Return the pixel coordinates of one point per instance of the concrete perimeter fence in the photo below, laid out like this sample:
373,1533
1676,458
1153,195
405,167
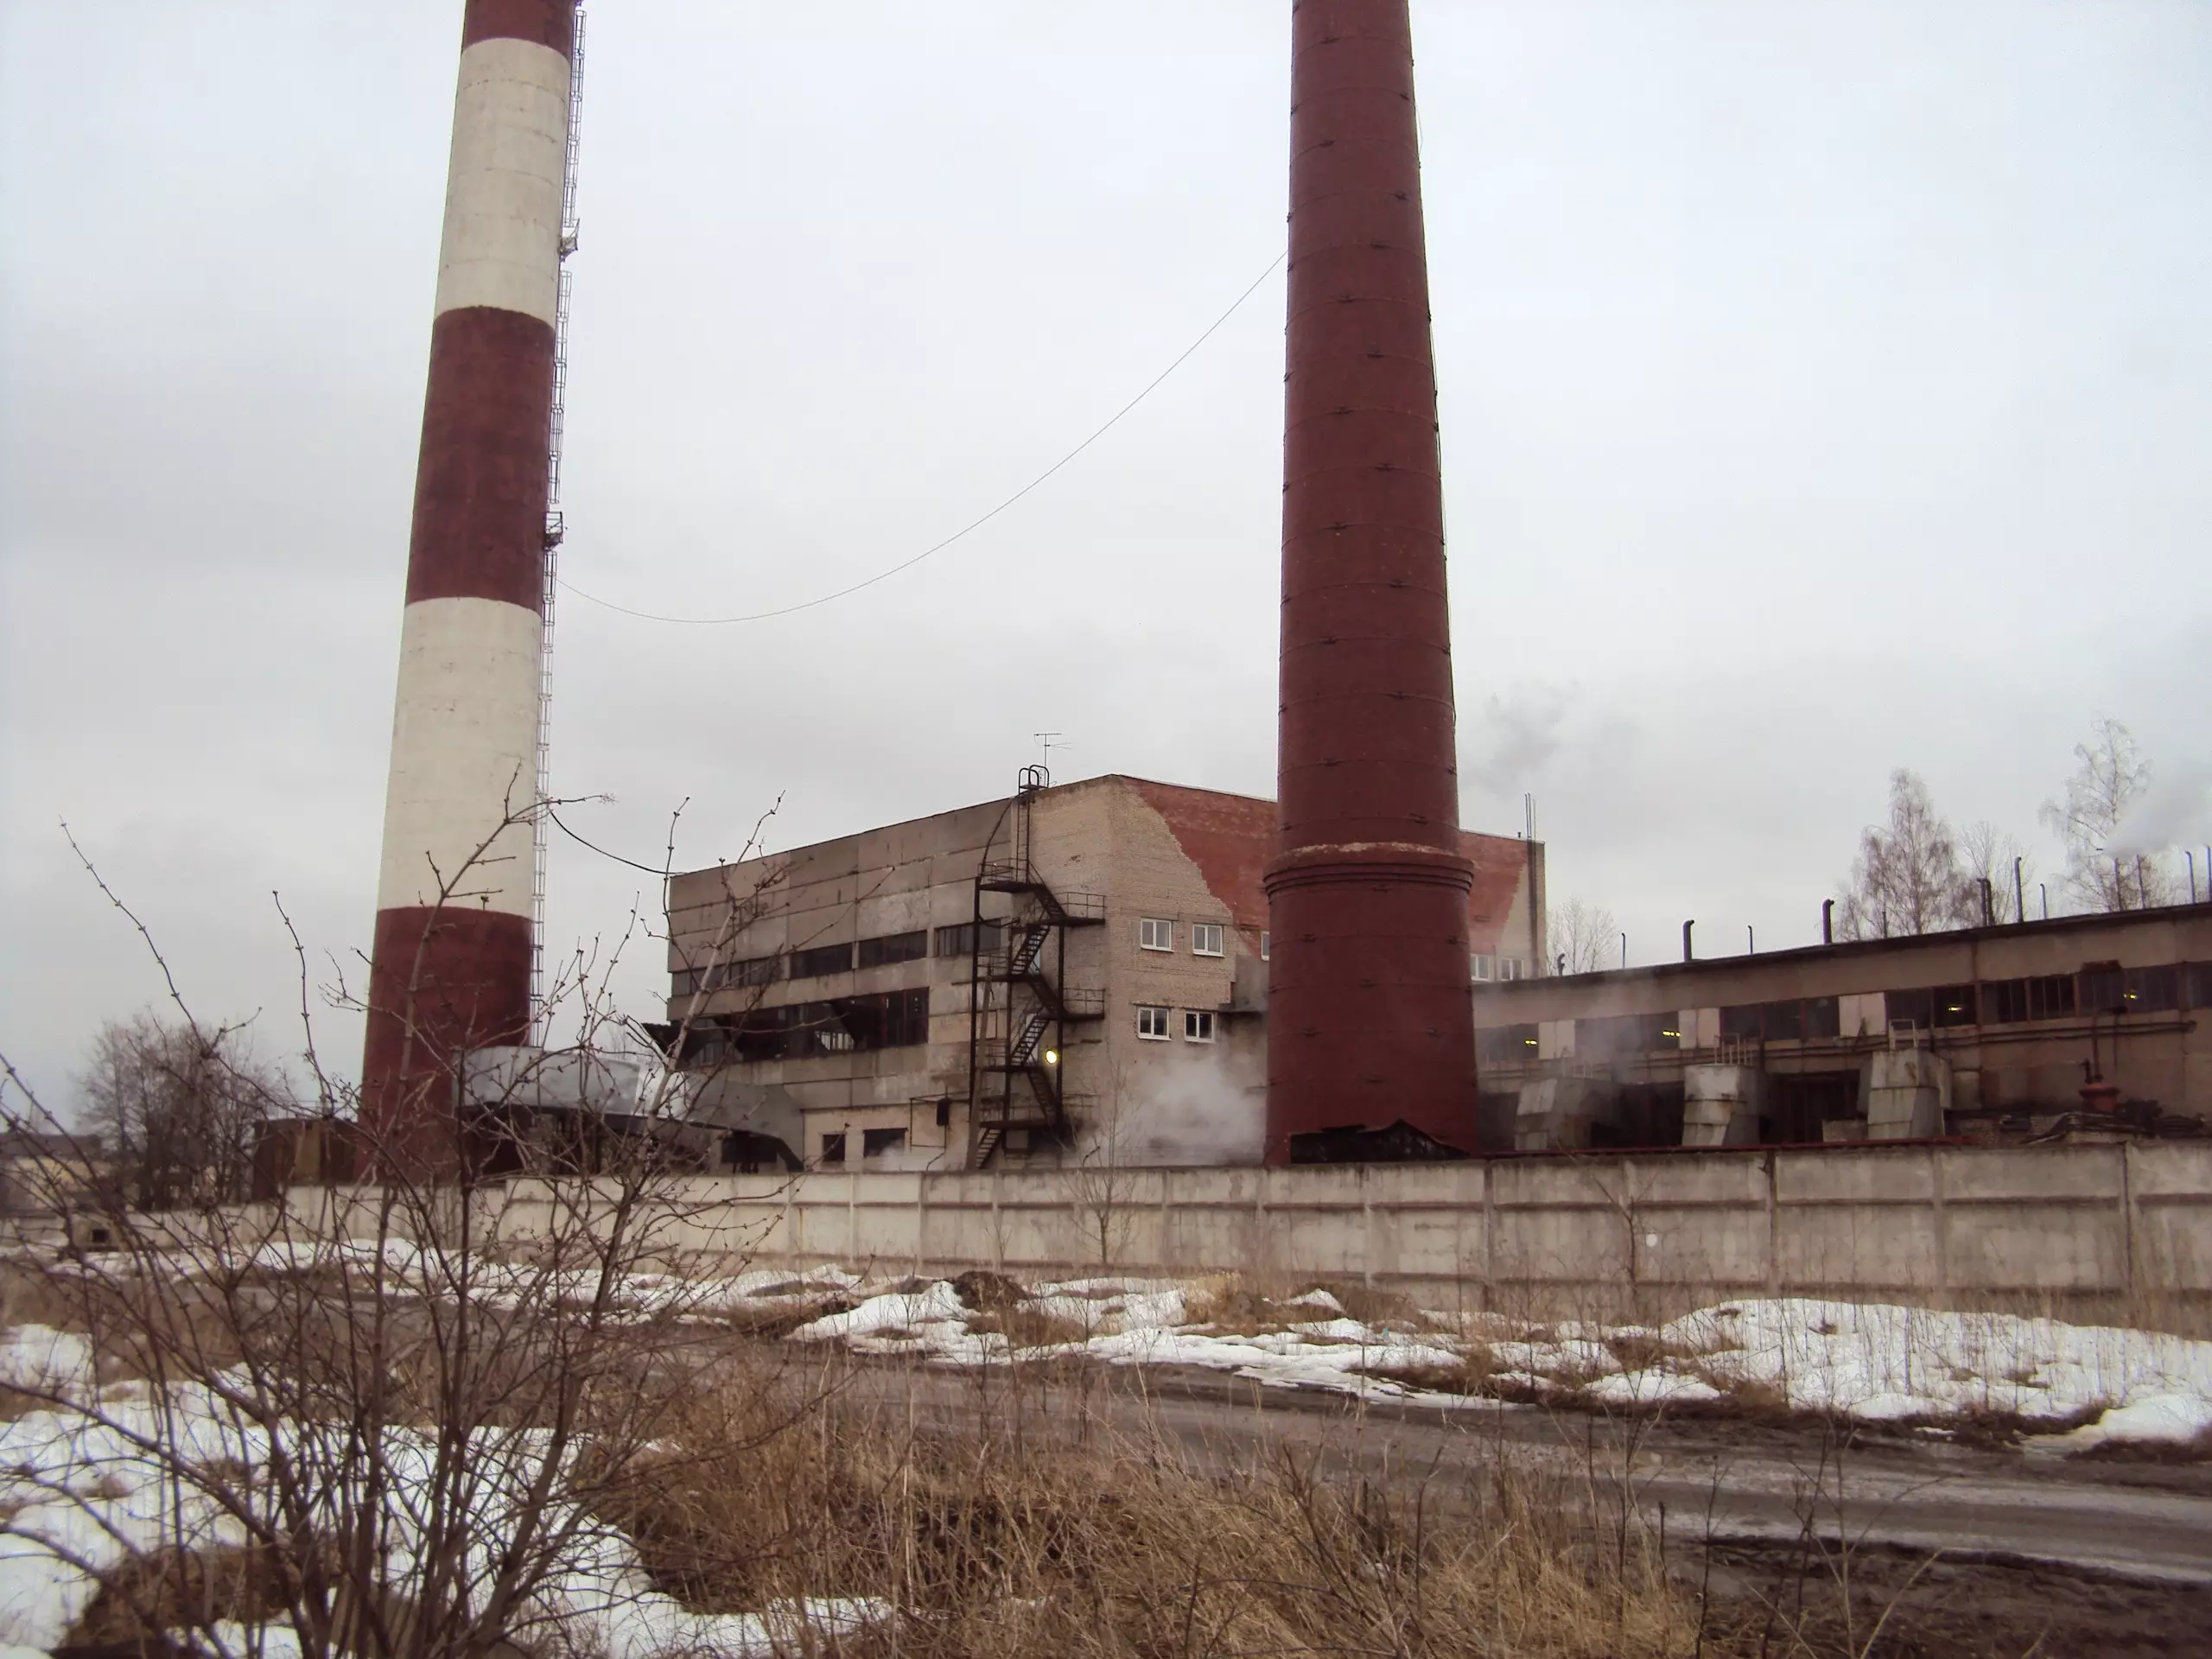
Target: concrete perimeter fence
2091,1232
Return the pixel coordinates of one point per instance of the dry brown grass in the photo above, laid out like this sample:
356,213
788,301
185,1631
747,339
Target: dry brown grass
993,1545
145,1595
1234,1306
1025,1325
766,1321
1377,1309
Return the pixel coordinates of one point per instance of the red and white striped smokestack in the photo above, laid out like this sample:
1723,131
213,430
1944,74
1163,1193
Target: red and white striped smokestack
452,963
1369,1014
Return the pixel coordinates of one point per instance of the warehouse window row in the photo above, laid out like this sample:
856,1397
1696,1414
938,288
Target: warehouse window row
1156,1023
1158,933
2099,990
799,1030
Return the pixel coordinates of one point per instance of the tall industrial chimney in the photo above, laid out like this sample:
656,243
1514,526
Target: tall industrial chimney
452,964
1370,1015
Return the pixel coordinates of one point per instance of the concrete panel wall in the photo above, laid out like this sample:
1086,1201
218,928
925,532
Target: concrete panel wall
2079,1232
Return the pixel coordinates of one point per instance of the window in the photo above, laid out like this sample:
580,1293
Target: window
893,947
1783,1023
823,959
2153,990
2200,984
1156,933
2004,1001
1954,1005
1481,967
1618,1036
1512,968
755,971
944,1113
1823,1017
1263,945
1152,1023
2051,997
875,1142
801,1031
1914,1009
1744,1023
960,940
1506,1045
1198,1025
833,1148
1205,939
2104,987
1601,1036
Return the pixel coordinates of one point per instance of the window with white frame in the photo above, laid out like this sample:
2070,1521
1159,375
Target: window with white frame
1512,968
1263,945
1198,1025
1482,967
1152,1023
1156,933
1205,939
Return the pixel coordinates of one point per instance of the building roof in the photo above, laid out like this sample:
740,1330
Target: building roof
1858,950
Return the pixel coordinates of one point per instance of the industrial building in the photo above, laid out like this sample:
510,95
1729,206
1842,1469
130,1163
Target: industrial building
2000,1031
1078,974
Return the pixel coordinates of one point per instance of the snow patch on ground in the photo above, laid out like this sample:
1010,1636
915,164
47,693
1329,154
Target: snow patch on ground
81,1492
1876,1361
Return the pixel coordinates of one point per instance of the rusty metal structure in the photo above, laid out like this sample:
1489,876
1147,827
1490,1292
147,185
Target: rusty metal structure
1020,1003
1370,1017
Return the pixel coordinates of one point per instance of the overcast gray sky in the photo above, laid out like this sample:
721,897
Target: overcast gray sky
1825,388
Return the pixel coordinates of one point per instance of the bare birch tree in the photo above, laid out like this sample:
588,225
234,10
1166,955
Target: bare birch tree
1998,858
1907,878
1583,939
2110,777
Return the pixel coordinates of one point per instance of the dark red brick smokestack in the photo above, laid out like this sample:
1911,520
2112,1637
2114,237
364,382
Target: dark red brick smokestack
1369,1018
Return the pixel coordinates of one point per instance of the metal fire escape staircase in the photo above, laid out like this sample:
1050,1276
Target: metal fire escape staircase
1020,1003
556,528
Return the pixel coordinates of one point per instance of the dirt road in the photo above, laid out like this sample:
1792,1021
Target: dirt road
1723,1480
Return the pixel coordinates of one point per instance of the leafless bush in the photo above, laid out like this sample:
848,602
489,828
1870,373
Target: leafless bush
393,1419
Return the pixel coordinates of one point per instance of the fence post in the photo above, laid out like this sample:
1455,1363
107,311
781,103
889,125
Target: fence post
1489,1234
1366,1228
998,1224
1773,1228
921,1216
2128,1226
1936,1155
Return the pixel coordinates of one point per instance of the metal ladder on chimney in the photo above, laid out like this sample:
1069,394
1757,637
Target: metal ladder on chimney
556,528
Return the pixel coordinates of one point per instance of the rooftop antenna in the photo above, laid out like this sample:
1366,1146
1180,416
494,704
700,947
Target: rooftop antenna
1050,741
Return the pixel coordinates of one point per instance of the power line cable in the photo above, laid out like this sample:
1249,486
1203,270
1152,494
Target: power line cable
966,530
648,868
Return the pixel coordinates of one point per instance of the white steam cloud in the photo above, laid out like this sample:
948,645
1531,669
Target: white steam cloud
2175,810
